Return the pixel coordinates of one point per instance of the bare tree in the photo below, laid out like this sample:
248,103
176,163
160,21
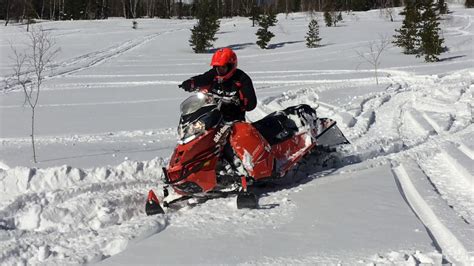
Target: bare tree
376,48
133,8
387,9
150,8
29,70
133,11
8,6
247,6
124,9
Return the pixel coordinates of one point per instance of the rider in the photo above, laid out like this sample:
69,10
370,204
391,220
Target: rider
226,80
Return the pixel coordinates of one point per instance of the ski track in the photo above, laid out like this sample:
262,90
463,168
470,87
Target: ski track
462,30
422,135
91,59
456,191
137,135
94,104
261,78
452,245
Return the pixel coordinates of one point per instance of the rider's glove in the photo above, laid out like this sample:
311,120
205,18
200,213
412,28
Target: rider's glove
188,85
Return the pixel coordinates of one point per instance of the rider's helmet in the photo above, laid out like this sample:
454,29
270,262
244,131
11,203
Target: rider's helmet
224,57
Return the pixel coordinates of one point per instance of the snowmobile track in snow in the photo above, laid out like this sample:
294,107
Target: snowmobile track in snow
449,233
92,59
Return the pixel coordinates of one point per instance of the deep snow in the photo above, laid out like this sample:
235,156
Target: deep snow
107,117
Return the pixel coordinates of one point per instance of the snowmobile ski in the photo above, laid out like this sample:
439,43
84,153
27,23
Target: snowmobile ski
153,206
245,199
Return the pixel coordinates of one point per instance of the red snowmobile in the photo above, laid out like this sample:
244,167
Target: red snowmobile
216,157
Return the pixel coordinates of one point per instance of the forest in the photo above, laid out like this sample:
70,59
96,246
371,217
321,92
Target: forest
27,11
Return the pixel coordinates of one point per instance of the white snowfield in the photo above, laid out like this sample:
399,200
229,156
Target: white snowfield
404,193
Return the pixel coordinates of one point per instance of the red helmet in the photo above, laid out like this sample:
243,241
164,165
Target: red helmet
224,56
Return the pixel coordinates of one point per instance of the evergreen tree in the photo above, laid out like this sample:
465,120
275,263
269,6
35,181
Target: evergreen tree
407,37
469,3
327,18
312,37
263,34
332,14
430,42
202,34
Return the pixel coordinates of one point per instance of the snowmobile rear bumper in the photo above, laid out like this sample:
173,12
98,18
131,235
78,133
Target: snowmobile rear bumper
330,135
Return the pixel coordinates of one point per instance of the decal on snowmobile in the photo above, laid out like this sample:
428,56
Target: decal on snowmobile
220,133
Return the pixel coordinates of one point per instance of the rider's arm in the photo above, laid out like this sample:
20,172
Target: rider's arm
247,93
204,79
201,81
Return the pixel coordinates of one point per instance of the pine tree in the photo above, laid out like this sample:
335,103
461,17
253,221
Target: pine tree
202,34
430,42
407,37
327,19
263,34
469,3
312,37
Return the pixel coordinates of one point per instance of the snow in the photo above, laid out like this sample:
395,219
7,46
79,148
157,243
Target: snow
107,124
452,245
327,235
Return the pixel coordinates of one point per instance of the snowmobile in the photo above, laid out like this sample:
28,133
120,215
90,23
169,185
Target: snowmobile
216,157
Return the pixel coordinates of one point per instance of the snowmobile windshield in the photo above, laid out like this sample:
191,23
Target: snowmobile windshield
195,124
198,114
195,102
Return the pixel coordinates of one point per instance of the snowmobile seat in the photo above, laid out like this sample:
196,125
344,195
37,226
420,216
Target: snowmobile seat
276,127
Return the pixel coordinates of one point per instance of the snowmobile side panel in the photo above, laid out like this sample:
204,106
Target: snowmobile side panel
289,152
252,149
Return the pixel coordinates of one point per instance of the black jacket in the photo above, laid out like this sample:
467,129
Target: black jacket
239,84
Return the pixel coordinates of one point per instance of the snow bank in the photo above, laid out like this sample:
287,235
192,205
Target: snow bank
21,180
72,215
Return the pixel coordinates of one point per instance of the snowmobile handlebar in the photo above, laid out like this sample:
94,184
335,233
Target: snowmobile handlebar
219,99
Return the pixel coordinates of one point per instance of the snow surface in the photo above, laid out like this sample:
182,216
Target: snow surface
404,193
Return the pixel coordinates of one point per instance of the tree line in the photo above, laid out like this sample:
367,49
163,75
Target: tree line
24,10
